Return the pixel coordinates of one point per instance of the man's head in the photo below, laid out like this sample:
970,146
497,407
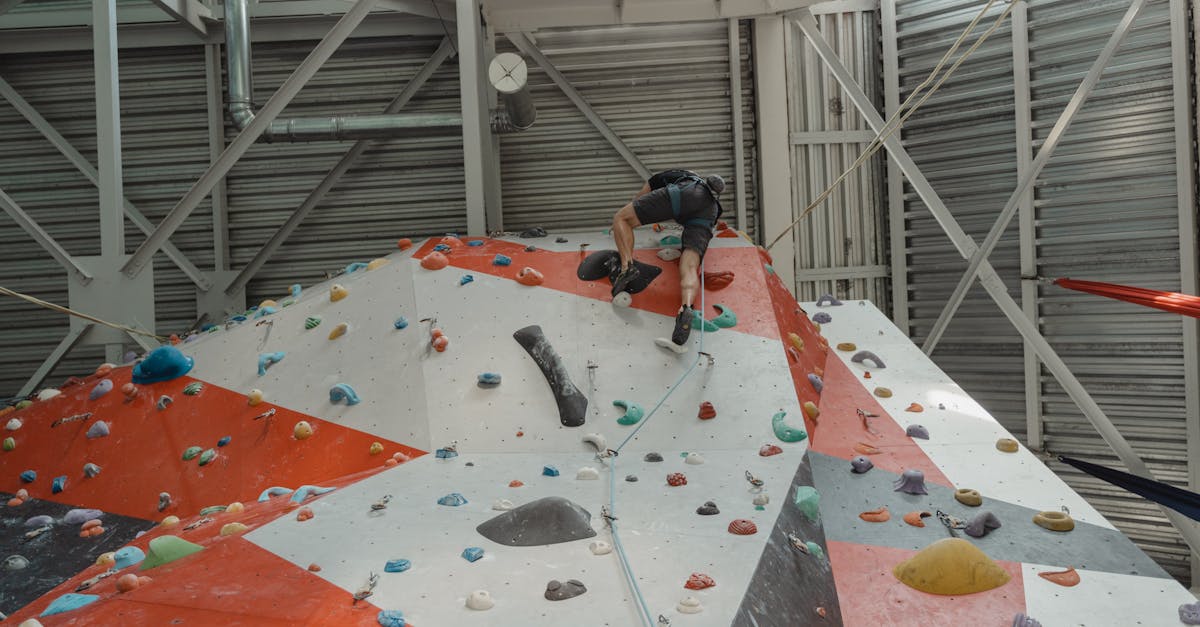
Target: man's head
715,183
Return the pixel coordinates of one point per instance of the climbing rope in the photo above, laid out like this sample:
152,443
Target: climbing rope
71,312
610,517
896,121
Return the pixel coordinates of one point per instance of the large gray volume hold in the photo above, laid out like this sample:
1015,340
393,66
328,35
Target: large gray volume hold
548,520
572,404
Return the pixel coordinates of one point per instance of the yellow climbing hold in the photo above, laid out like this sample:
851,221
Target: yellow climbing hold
337,292
1054,521
169,521
883,392
233,528
106,559
339,330
847,346
951,566
1007,445
378,263
302,430
254,397
268,303
796,341
376,448
968,497
235,508
811,410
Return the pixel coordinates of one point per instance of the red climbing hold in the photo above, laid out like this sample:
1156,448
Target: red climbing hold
699,581
452,242
743,527
707,412
404,243
434,261
676,479
304,514
529,276
440,343
314,568
768,450
515,483
717,280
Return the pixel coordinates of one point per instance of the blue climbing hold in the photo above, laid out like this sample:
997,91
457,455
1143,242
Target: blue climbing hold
441,248
475,242
265,361
501,260
445,453
237,318
472,553
69,601
103,387
822,317
305,491
162,364
265,311
466,278
344,392
58,484
397,566
454,499
816,382
29,476
550,471
225,440
400,322
127,556
355,267
391,618
273,491
98,429
489,378
296,290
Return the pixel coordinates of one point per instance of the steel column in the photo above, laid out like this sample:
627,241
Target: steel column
64,346
476,129
240,144
1025,182
108,128
775,150
895,180
523,43
443,52
216,143
735,103
43,238
992,282
190,13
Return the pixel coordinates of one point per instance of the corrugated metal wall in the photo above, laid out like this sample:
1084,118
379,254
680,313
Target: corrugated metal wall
664,89
1105,210
841,246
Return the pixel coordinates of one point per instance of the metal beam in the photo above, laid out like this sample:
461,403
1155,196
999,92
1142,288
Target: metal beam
775,152
476,130
830,137
991,281
1026,181
425,8
8,5
444,51
43,238
273,107
735,105
898,240
216,143
190,13
64,346
85,167
108,128
522,42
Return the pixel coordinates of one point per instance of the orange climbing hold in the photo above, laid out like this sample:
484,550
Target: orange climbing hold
515,483
434,261
339,330
404,243
101,371
314,568
440,343
877,515
867,375
529,276
130,391
337,292
452,242
389,462
915,408
866,449
1066,577
915,518
435,333
717,280
304,514
127,582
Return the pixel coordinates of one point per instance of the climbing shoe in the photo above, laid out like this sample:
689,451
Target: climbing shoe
622,280
683,326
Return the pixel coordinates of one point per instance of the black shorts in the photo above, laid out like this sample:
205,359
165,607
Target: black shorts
696,205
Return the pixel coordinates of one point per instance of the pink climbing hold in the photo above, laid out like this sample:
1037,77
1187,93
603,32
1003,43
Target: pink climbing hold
743,527
707,411
768,450
676,479
435,261
699,581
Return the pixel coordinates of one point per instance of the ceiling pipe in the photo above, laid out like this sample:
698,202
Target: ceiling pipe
517,115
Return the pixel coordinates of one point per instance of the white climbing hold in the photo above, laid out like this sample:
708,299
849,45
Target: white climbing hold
669,254
694,459
623,299
32,622
47,394
761,500
13,424
666,343
502,505
600,547
587,473
689,605
480,600
597,440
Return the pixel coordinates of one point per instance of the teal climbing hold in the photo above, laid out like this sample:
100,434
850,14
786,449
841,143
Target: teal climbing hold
815,549
67,602
207,456
727,319
768,268
808,500
633,412
192,452
670,240
784,432
701,323
213,509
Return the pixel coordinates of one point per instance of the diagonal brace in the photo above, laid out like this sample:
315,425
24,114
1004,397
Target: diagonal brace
1044,153
43,238
987,275
64,346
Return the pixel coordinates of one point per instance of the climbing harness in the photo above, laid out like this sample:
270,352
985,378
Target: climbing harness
675,194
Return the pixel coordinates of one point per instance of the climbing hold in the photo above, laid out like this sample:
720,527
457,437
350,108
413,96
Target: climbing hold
130,391
29,476
13,424
9,443
440,343
19,562
694,459
811,410
808,501
127,556
701,324
104,386
480,600
708,509
472,553
404,243
376,448
743,527
302,430
631,478
633,412
877,515
191,453
863,356
715,281
768,450
529,276
466,278
435,261
390,618
207,456
337,292
760,501
1007,445
305,491
167,549
80,516
377,263
587,473
265,310
669,254
67,602
516,483
784,432
343,392
454,499
727,319
699,581
91,470
193,389
266,360
797,342
968,497
917,431
981,524
272,491
914,408
23,404
1021,620
446,453
666,343
1054,521
501,260
548,520
550,471
915,518
235,508
397,566
822,318
816,382
866,449
164,501
256,395
225,441
312,322
951,566
1189,613
598,442
689,605
213,509
676,479
559,591
502,505
39,521
652,457
847,346
162,364
827,300
1068,577
707,411
883,392
338,331
489,379
233,529
127,582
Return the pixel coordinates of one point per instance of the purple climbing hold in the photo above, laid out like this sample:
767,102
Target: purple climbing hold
1189,613
822,318
162,364
816,382
828,300
98,429
1021,620
129,357
39,521
862,356
981,524
103,387
917,431
860,464
912,481
80,516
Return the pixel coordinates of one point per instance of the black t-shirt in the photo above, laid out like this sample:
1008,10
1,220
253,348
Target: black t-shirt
661,179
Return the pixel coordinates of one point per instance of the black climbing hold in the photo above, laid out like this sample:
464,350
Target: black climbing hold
559,590
606,264
572,404
531,248
708,509
653,457
631,478
561,240
536,231
548,520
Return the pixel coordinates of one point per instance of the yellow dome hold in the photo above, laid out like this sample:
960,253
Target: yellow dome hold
811,410
337,292
951,566
796,341
377,263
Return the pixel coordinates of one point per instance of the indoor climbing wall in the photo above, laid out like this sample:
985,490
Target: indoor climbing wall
465,432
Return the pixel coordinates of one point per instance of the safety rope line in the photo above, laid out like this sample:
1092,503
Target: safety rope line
896,121
78,314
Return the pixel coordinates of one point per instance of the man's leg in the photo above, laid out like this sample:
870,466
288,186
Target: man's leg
689,277
622,229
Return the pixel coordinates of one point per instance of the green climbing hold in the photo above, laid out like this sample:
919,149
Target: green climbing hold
167,549
809,501
670,240
207,456
784,432
768,268
9,444
213,509
727,319
191,453
23,404
193,388
287,302
701,323
815,549
312,322
633,412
